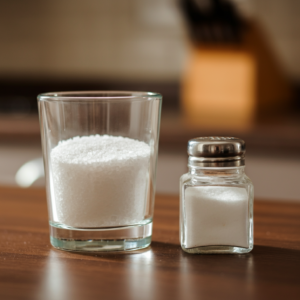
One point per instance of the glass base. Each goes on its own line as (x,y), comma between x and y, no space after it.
(217,250)
(100,240)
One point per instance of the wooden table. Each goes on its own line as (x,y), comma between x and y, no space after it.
(31,269)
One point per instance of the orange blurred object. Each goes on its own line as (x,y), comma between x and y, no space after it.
(234,86)
(219,88)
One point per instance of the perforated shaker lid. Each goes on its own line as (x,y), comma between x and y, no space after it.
(216,152)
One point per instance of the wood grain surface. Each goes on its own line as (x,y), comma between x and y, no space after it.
(31,269)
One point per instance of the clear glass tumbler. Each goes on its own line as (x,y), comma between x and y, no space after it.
(100,154)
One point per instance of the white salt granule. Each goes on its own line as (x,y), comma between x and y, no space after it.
(100,181)
(216,216)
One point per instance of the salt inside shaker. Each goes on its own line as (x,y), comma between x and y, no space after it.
(216,198)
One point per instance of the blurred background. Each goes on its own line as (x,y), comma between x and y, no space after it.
(227,68)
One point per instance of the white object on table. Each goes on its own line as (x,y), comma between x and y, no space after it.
(216,216)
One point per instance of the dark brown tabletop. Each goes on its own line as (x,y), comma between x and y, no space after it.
(31,269)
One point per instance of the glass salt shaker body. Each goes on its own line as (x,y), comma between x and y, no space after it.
(216,198)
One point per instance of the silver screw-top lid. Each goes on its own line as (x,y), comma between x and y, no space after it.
(216,152)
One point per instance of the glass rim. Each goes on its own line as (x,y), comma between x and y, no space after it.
(100,96)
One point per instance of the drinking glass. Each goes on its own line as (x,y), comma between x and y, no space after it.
(100,155)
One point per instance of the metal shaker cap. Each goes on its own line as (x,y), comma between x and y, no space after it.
(216,152)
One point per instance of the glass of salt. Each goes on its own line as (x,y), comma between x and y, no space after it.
(216,198)
(100,153)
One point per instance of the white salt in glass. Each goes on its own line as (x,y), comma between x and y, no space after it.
(216,198)
(100,153)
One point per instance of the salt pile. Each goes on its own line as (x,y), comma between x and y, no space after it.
(100,181)
(216,216)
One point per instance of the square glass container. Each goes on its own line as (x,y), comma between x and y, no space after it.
(216,198)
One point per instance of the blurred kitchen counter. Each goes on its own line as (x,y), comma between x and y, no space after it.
(19,128)
(272,160)
(272,138)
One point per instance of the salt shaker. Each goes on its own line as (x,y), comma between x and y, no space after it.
(216,198)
